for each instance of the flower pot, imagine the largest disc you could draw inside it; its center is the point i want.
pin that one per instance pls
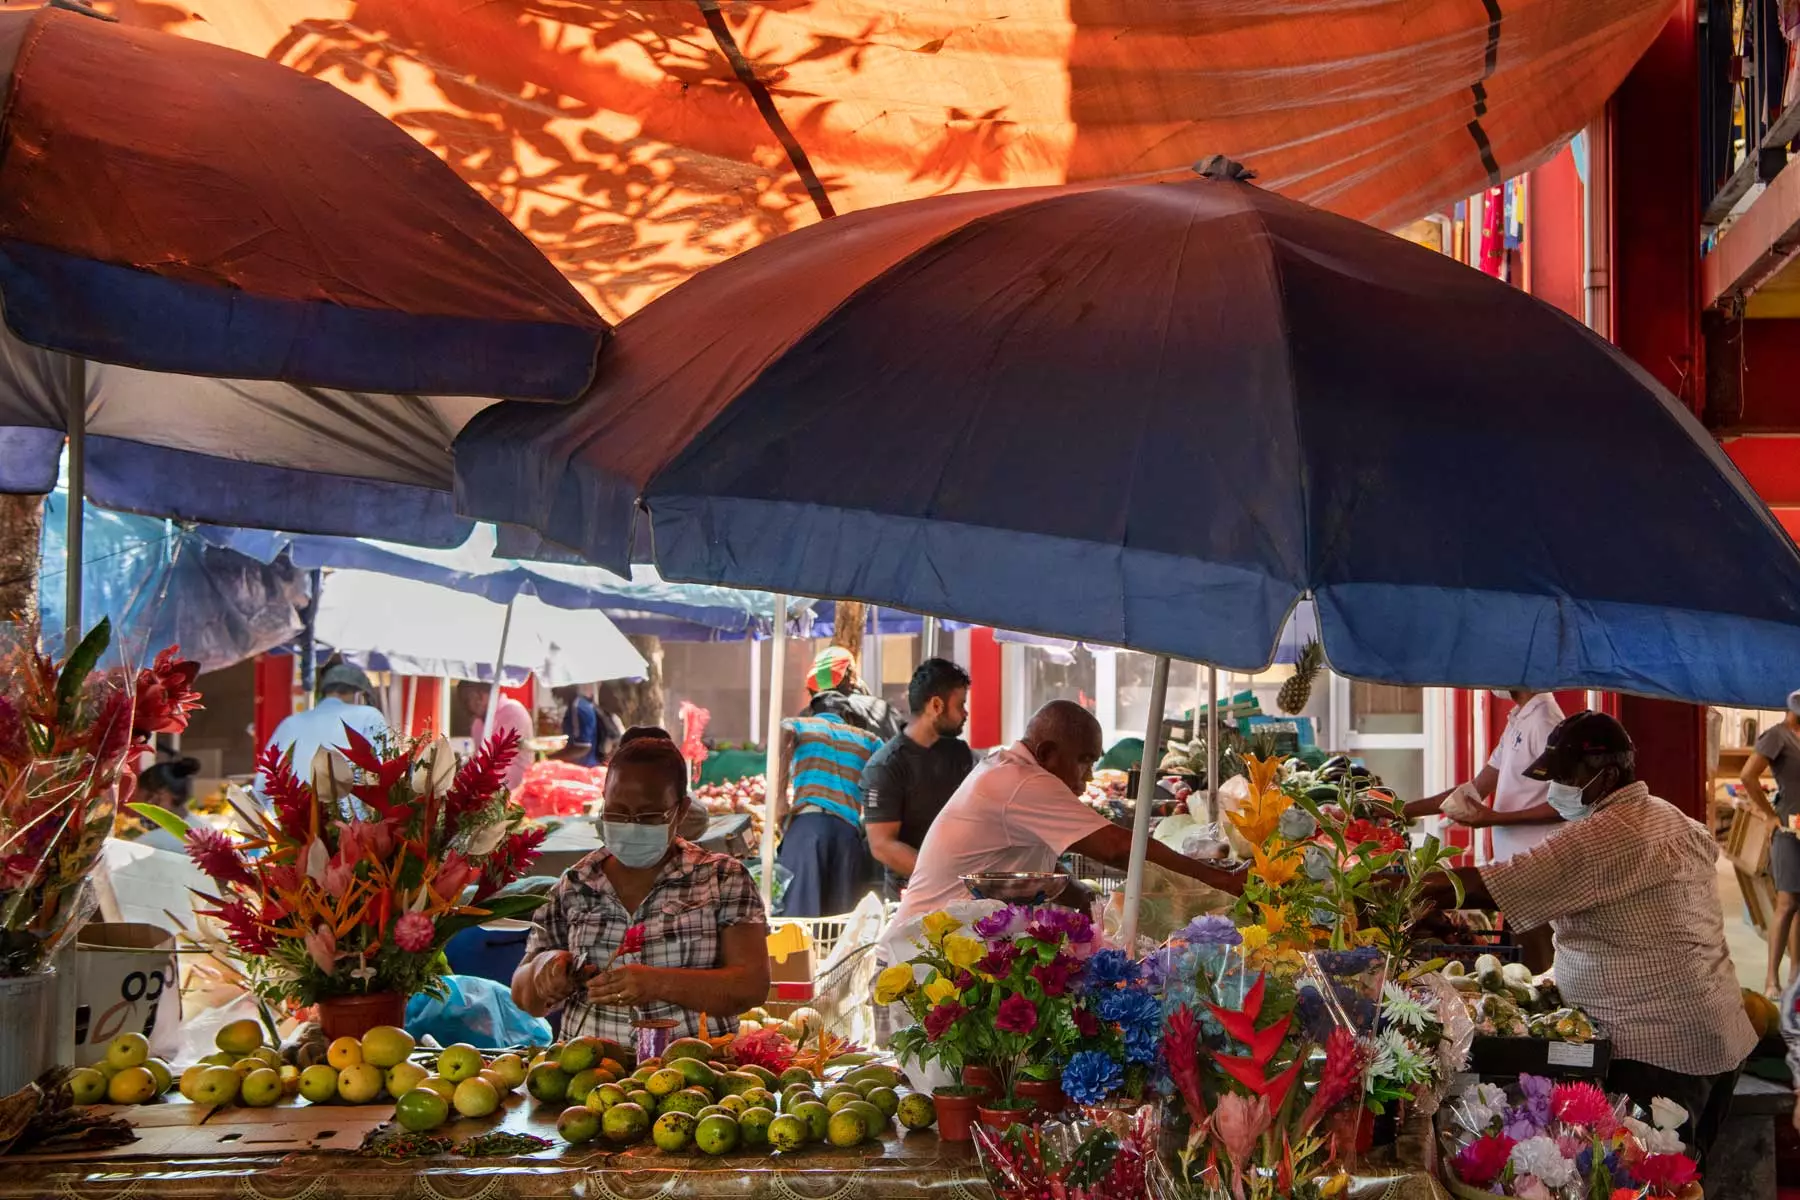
(353, 1016)
(955, 1114)
(999, 1120)
(981, 1077)
(1044, 1095)
(27, 1023)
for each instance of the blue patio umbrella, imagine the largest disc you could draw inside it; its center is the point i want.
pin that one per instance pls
(253, 299)
(1157, 417)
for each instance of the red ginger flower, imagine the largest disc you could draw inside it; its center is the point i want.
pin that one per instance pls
(1480, 1162)
(765, 1048)
(165, 694)
(292, 800)
(1181, 1041)
(1341, 1077)
(511, 859)
(217, 856)
(242, 927)
(480, 779)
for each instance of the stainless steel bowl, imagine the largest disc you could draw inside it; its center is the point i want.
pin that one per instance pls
(1016, 887)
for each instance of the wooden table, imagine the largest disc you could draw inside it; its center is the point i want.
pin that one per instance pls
(307, 1153)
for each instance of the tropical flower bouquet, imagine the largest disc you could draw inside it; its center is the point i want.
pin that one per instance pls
(1564, 1141)
(67, 733)
(1089, 1156)
(353, 880)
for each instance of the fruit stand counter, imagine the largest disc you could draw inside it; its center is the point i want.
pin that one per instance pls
(306, 1153)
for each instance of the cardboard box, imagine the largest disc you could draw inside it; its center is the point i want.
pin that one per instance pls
(126, 981)
(790, 964)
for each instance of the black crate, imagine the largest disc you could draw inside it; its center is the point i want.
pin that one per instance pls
(1481, 941)
(1504, 1057)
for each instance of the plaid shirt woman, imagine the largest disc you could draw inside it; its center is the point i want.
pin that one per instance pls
(704, 931)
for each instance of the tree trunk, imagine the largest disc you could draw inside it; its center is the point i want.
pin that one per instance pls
(640, 702)
(847, 627)
(21, 527)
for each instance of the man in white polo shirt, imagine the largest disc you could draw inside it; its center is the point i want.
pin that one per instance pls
(1502, 800)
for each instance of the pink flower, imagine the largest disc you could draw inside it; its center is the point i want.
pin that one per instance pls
(242, 927)
(1016, 1015)
(1053, 976)
(367, 839)
(217, 856)
(1530, 1187)
(454, 875)
(414, 933)
(1581, 1104)
(338, 877)
(1666, 1172)
(1239, 1121)
(321, 945)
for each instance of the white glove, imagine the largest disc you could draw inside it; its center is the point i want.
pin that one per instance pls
(1464, 805)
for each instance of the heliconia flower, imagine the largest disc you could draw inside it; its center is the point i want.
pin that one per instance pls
(321, 946)
(1016, 1014)
(414, 933)
(217, 856)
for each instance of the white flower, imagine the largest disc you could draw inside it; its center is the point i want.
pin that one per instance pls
(332, 775)
(363, 973)
(1542, 1157)
(1401, 1009)
(434, 769)
(483, 841)
(1410, 1064)
(1666, 1114)
(1480, 1106)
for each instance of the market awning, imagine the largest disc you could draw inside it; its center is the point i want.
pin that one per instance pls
(638, 143)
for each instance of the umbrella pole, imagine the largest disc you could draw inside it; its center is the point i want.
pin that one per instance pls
(1146, 799)
(755, 686)
(309, 642)
(412, 697)
(77, 423)
(772, 773)
(487, 726)
(928, 639)
(1212, 744)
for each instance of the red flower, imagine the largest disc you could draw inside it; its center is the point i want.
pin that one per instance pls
(481, 779)
(1480, 1162)
(292, 800)
(1181, 1051)
(217, 856)
(1340, 1078)
(632, 943)
(1364, 830)
(764, 1048)
(242, 928)
(999, 960)
(1666, 1172)
(14, 748)
(941, 1017)
(1053, 976)
(414, 932)
(165, 695)
(1086, 1023)
(511, 859)
(1582, 1104)
(112, 727)
(1016, 1015)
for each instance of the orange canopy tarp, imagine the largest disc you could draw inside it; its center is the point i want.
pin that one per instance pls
(637, 141)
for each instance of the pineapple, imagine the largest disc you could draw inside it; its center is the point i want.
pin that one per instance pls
(1297, 691)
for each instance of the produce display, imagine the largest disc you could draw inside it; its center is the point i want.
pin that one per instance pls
(746, 795)
(1504, 1000)
(560, 789)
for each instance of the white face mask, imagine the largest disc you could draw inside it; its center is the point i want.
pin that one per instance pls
(637, 846)
(1569, 801)
(1500, 693)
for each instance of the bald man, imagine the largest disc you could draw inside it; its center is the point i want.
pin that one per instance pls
(1022, 810)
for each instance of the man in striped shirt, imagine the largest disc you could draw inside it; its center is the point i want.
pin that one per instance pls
(822, 842)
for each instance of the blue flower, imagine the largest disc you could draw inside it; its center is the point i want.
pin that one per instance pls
(1109, 967)
(1134, 1010)
(1211, 930)
(1143, 1046)
(1091, 1076)
(1156, 968)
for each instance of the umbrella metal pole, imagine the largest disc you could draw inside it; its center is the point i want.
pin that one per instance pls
(1146, 800)
(772, 773)
(487, 725)
(928, 632)
(412, 697)
(72, 538)
(309, 642)
(755, 687)
(1212, 744)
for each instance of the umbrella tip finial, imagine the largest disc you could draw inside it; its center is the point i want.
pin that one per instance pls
(1220, 167)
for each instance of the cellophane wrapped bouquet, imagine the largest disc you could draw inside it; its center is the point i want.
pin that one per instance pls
(351, 881)
(1544, 1140)
(67, 735)
(1087, 1154)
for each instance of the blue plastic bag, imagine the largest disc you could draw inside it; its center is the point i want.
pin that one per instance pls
(477, 1011)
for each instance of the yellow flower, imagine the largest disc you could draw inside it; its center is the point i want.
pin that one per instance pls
(940, 925)
(940, 990)
(1261, 812)
(1274, 916)
(963, 952)
(893, 983)
(1255, 938)
(1277, 868)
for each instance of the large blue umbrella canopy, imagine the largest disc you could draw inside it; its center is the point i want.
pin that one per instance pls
(1157, 417)
(263, 302)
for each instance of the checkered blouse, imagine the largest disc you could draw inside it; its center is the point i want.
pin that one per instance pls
(1632, 894)
(697, 894)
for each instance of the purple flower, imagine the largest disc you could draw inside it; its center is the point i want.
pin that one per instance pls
(1520, 1127)
(1536, 1090)
(1003, 923)
(1211, 930)
(1050, 924)
(1156, 967)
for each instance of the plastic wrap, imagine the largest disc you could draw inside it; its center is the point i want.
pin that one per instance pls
(478, 1011)
(1087, 1154)
(1169, 902)
(1380, 109)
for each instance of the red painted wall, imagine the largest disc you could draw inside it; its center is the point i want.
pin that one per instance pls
(275, 680)
(1770, 363)
(1553, 234)
(984, 688)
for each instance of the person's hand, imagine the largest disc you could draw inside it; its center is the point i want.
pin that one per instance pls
(554, 976)
(622, 987)
(1464, 806)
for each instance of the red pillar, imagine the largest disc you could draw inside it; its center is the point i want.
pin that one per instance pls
(984, 688)
(274, 694)
(1654, 121)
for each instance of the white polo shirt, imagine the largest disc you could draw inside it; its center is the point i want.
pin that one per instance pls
(1528, 729)
(323, 725)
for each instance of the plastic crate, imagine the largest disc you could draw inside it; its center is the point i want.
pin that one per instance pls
(823, 932)
(1482, 941)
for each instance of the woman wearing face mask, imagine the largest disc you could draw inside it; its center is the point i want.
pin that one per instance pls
(1628, 884)
(704, 943)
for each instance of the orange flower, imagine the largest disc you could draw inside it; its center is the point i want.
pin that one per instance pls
(1276, 869)
(1258, 816)
(1274, 917)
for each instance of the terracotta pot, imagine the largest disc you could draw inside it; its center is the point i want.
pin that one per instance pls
(353, 1016)
(981, 1077)
(999, 1120)
(955, 1114)
(1044, 1095)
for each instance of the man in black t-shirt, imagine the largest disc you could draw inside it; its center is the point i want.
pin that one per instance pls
(908, 781)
